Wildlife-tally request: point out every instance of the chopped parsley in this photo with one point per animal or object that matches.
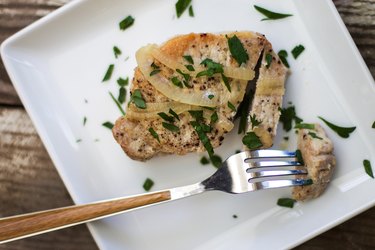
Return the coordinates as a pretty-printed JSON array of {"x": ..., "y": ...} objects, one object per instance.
[
  {"x": 314, "y": 135},
  {"x": 166, "y": 117},
  {"x": 226, "y": 82},
  {"x": 237, "y": 50},
  {"x": 147, "y": 185},
  {"x": 231, "y": 106},
  {"x": 305, "y": 126},
  {"x": 78, "y": 140},
  {"x": 123, "y": 82},
  {"x": 254, "y": 121},
  {"x": 299, "y": 157},
  {"x": 270, "y": 15},
  {"x": 268, "y": 60},
  {"x": 212, "y": 68},
  {"x": 154, "y": 134},
  {"x": 286, "y": 202},
  {"x": 184, "y": 75},
  {"x": 210, "y": 96},
  {"x": 181, "y": 6},
  {"x": 108, "y": 125},
  {"x": 117, "y": 104},
  {"x": 252, "y": 141},
  {"x": 126, "y": 23},
  {"x": 296, "y": 51},
  {"x": 84, "y": 120},
  {"x": 196, "y": 114},
  {"x": 170, "y": 127},
  {"x": 234, "y": 216},
  {"x": 287, "y": 116},
  {"x": 137, "y": 99},
  {"x": 190, "y": 67},
  {"x": 189, "y": 59},
  {"x": 116, "y": 51},
  {"x": 283, "y": 54},
  {"x": 108, "y": 73},
  {"x": 176, "y": 82},
  {"x": 191, "y": 11},
  {"x": 214, "y": 117},
  {"x": 368, "y": 168},
  {"x": 344, "y": 132},
  {"x": 203, "y": 138},
  {"x": 373, "y": 125},
  {"x": 204, "y": 160},
  {"x": 156, "y": 69},
  {"x": 175, "y": 115},
  {"x": 121, "y": 95}
]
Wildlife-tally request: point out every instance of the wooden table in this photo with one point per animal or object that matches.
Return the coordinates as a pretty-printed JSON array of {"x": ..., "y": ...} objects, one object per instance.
[{"x": 29, "y": 181}]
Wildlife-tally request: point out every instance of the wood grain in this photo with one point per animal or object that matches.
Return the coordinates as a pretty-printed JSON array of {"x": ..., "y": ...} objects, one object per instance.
[{"x": 29, "y": 181}]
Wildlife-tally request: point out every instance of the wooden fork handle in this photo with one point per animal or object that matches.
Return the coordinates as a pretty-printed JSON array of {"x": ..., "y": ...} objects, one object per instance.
[{"x": 21, "y": 226}]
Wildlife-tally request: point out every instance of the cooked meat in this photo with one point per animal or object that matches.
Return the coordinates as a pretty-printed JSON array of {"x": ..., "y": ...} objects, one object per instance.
[
  {"x": 167, "y": 79},
  {"x": 268, "y": 96},
  {"x": 317, "y": 153}
]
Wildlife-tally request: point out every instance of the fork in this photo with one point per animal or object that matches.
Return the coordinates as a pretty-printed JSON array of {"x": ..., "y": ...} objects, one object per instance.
[{"x": 242, "y": 172}]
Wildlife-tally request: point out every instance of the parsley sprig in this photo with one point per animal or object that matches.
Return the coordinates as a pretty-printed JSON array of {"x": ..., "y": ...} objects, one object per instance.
[
  {"x": 270, "y": 15},
  {"x": 344, "y": 132}
]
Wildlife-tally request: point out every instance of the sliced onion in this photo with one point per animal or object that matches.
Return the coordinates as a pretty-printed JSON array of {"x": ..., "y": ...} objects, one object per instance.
[
  {"x": 152, "y": 110},
  {"x": 163, "y": 84},
  {"x": 232, "y": 72}
]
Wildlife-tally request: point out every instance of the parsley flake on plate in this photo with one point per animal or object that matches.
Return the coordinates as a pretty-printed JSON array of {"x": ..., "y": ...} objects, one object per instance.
[
  {"x": 204, "y": 160},
  {"x": 368, "y": 168},
  {"x": 181, "y": 6},
  {"x": 283, "y": 54},
  {"x": 118, "y": 104},
  {"x": 296, "y": 51},
  {"x": 286, "y": 202},
  {"x": 123, "y": 82},
  {"x": 108, "y": 73},
  {"x": 116, "y": 51},
  {"x": 147, "y": 185},
  {"x": 126, "y": 23},
  {"x": 108, "y": 125},
  {"x": 121, "y": 95},
  {"x": 270, "y": 15},
  {"x": 344, "y": 132},
  {"x": 305, "y": 126}
]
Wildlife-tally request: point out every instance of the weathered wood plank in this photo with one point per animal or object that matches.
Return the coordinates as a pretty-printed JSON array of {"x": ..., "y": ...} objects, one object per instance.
[{"x": 29, "y": 182}]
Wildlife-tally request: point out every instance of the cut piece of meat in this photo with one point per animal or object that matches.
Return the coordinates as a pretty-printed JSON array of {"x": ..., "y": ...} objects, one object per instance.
[{"x": 317, "y": 153}]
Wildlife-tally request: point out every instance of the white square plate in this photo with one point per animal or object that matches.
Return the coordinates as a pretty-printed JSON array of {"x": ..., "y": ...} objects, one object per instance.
[{"x": 57, "y": 65}]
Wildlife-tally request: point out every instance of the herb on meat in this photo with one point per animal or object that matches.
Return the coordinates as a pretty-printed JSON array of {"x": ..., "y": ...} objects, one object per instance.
[
  {"x": 214, "y": 117},
  {"x": 126, "y": 23},
  {"x": 108, "y": 73},
  {"x": 203, "y": 137},
  {"x": 170, "y": 127},
  {"x": 108, "y": 125},
  {"x": 175, "y": 115},
  {"x": 191, "y": 11},
  {"x": 344, "y": 132},
  {"x": 166, "y": 117},
  {"x": 226, "y": 82},
  {"x": 190, "y": 67},
  {"x": 204, "y": 160},
  {"x": 116, "y": 51},
  {"x": 270, "y": 15},
  {"x": 181, "y": 6},
  {"x": 137, "y": 99},
  {"x": 176, "y": 82},
  {"x": 117, "y": 104},
  {"x": 147, "y": 185},
  {"x": 210, "y": 96},
  {"x": 368, "y": 168},
  {"x": 184, "y": 75},
  {"x": 283, "y": 54},
  {"x": 296, "y": 51},
  {"x": 212, "y": 68},
  {"x": 123, "y": 82},
  {"x": 299, "y": 157},
  {"x": 121, "y": 95},
  {"x": 231, "y": 106},
  {"x": 252, "y": 141},
  {"x": 287, "y": 116},
  {"x": 305, "y": 126},
  {"x": 314, "y": 135},
  {"x": 254, "y": 121},
  {"x": 268, "y": 60},
  {"x": 286, "y": 202},
  {"x": 154, "y": 134},
  {"x": 237, "y": 50},
  {"x": 156, "y": 69},
  {"x": 189, "y": 59},
  {"x": 196, "y": 114}
]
